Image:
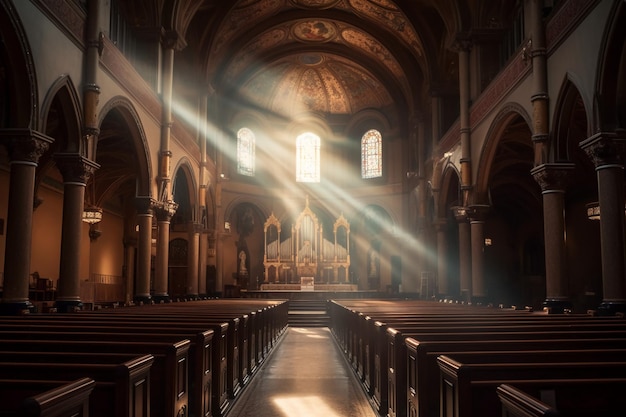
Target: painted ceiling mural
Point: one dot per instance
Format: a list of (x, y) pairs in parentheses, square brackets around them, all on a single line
[(322, 79)]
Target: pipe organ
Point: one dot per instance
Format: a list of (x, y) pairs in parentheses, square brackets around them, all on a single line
[(303, 250)]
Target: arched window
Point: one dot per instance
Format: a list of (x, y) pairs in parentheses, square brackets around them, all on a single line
[(245, 151), (308, 158), (372, 154)]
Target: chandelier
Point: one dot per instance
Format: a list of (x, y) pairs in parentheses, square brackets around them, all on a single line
[(92, 215)]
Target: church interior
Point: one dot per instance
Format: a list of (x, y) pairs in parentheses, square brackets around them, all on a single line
[(463, 154)]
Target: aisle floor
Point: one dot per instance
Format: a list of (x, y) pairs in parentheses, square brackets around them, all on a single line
[(306, 376)]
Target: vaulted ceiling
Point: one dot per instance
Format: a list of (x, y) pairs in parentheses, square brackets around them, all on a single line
[(334, 57)]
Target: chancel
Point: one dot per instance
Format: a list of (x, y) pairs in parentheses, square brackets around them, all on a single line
[(347, 185)]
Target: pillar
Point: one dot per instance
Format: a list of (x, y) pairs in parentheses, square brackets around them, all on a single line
[(606, 150), (465, 255), (202, 262), (477, 214), (76, 170), (193, 248), (553, 180), (25, 148), (164, 212), (442, 247), (145, 206), (539, 98)]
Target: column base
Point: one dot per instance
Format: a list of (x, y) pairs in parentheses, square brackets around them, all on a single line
[(142, 299), (16, 308), (611, 308), (68, 306), (161, 299), (557, 306)]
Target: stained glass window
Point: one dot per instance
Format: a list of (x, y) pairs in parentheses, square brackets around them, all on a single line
[(308, 158), (245, 151), (372, 154)]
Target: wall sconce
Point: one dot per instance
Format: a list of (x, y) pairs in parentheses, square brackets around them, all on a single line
[(487, 242)]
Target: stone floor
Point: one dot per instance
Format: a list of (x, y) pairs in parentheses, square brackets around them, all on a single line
[(305, 376)]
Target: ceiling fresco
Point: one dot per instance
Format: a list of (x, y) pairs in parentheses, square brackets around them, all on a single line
[(322, 79)]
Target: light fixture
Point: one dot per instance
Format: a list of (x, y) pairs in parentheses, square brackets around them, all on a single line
[(92, 215), (593, 211)]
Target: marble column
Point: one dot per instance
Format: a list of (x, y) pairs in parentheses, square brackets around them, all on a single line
[(76, 170), (25, 147), (553, 180), (191, 292), (465, 255), (606, 150), (477, 214), (145, 213), (164, 212)]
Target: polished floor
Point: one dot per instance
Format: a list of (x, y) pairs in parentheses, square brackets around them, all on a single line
[(305, 376)]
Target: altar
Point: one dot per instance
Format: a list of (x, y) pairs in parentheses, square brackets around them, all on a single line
[(332, 288)]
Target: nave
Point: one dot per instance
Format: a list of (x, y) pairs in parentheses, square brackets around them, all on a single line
[(306, 376)]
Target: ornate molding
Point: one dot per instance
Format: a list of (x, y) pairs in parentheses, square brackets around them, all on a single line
[(25, 145), (553, 177), (75, 167), (605, 148)]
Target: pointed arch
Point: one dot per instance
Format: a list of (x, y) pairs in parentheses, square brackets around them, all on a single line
[(184, 191), (20, 87), (610, 100), (127, 113), (513, 124), (63, 93)]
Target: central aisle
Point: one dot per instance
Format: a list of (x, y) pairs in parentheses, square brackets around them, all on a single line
[(306, 376)]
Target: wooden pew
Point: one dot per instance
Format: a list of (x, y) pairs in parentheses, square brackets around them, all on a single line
[(169, 393), (368, 352), (122, 382), (468, 382), (198, 313), (423, 370), (567, 397), (22, 398)]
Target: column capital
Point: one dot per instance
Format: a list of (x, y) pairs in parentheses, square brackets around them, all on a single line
[(478, 212), (165, 210), (75, 167), (460, 213), (145, 204), (25, 145), (605, 148), (553, 177)]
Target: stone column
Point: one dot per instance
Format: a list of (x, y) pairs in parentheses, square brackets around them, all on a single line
[(145, 214), (540, 98), (477, 214), (129, 267), (442, 246), (191, 292), (465, 255), (606, 150), (25, 148), (553, 180), (76, 170), (202, 262), (164, 212), (463, 46)]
